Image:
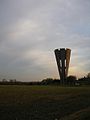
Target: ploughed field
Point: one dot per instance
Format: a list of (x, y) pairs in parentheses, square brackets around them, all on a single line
[(44, 103)]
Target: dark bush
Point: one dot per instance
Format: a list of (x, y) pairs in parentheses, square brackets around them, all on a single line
[(71, 80)]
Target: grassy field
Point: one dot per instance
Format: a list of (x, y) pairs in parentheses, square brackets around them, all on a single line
[(44, 103)]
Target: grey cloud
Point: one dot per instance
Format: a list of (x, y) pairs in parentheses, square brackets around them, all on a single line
[(41, 26)]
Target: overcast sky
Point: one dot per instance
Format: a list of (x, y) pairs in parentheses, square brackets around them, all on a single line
[(30, 30)]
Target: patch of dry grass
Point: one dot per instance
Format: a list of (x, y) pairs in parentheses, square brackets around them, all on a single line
[(44, 103)]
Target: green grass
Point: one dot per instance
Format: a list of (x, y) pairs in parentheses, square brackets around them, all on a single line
[(44, 103)]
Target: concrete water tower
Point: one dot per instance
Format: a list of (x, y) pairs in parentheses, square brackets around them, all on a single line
[(63, 58)]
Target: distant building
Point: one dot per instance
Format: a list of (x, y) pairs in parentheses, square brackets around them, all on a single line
[(63, 58)]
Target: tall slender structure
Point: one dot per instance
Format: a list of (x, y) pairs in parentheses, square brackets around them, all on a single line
[(63, 58)]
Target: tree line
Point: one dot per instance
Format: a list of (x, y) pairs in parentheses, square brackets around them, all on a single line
[(70, 80)]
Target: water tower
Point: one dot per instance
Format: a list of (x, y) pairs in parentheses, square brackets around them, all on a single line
[(63, 58)]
